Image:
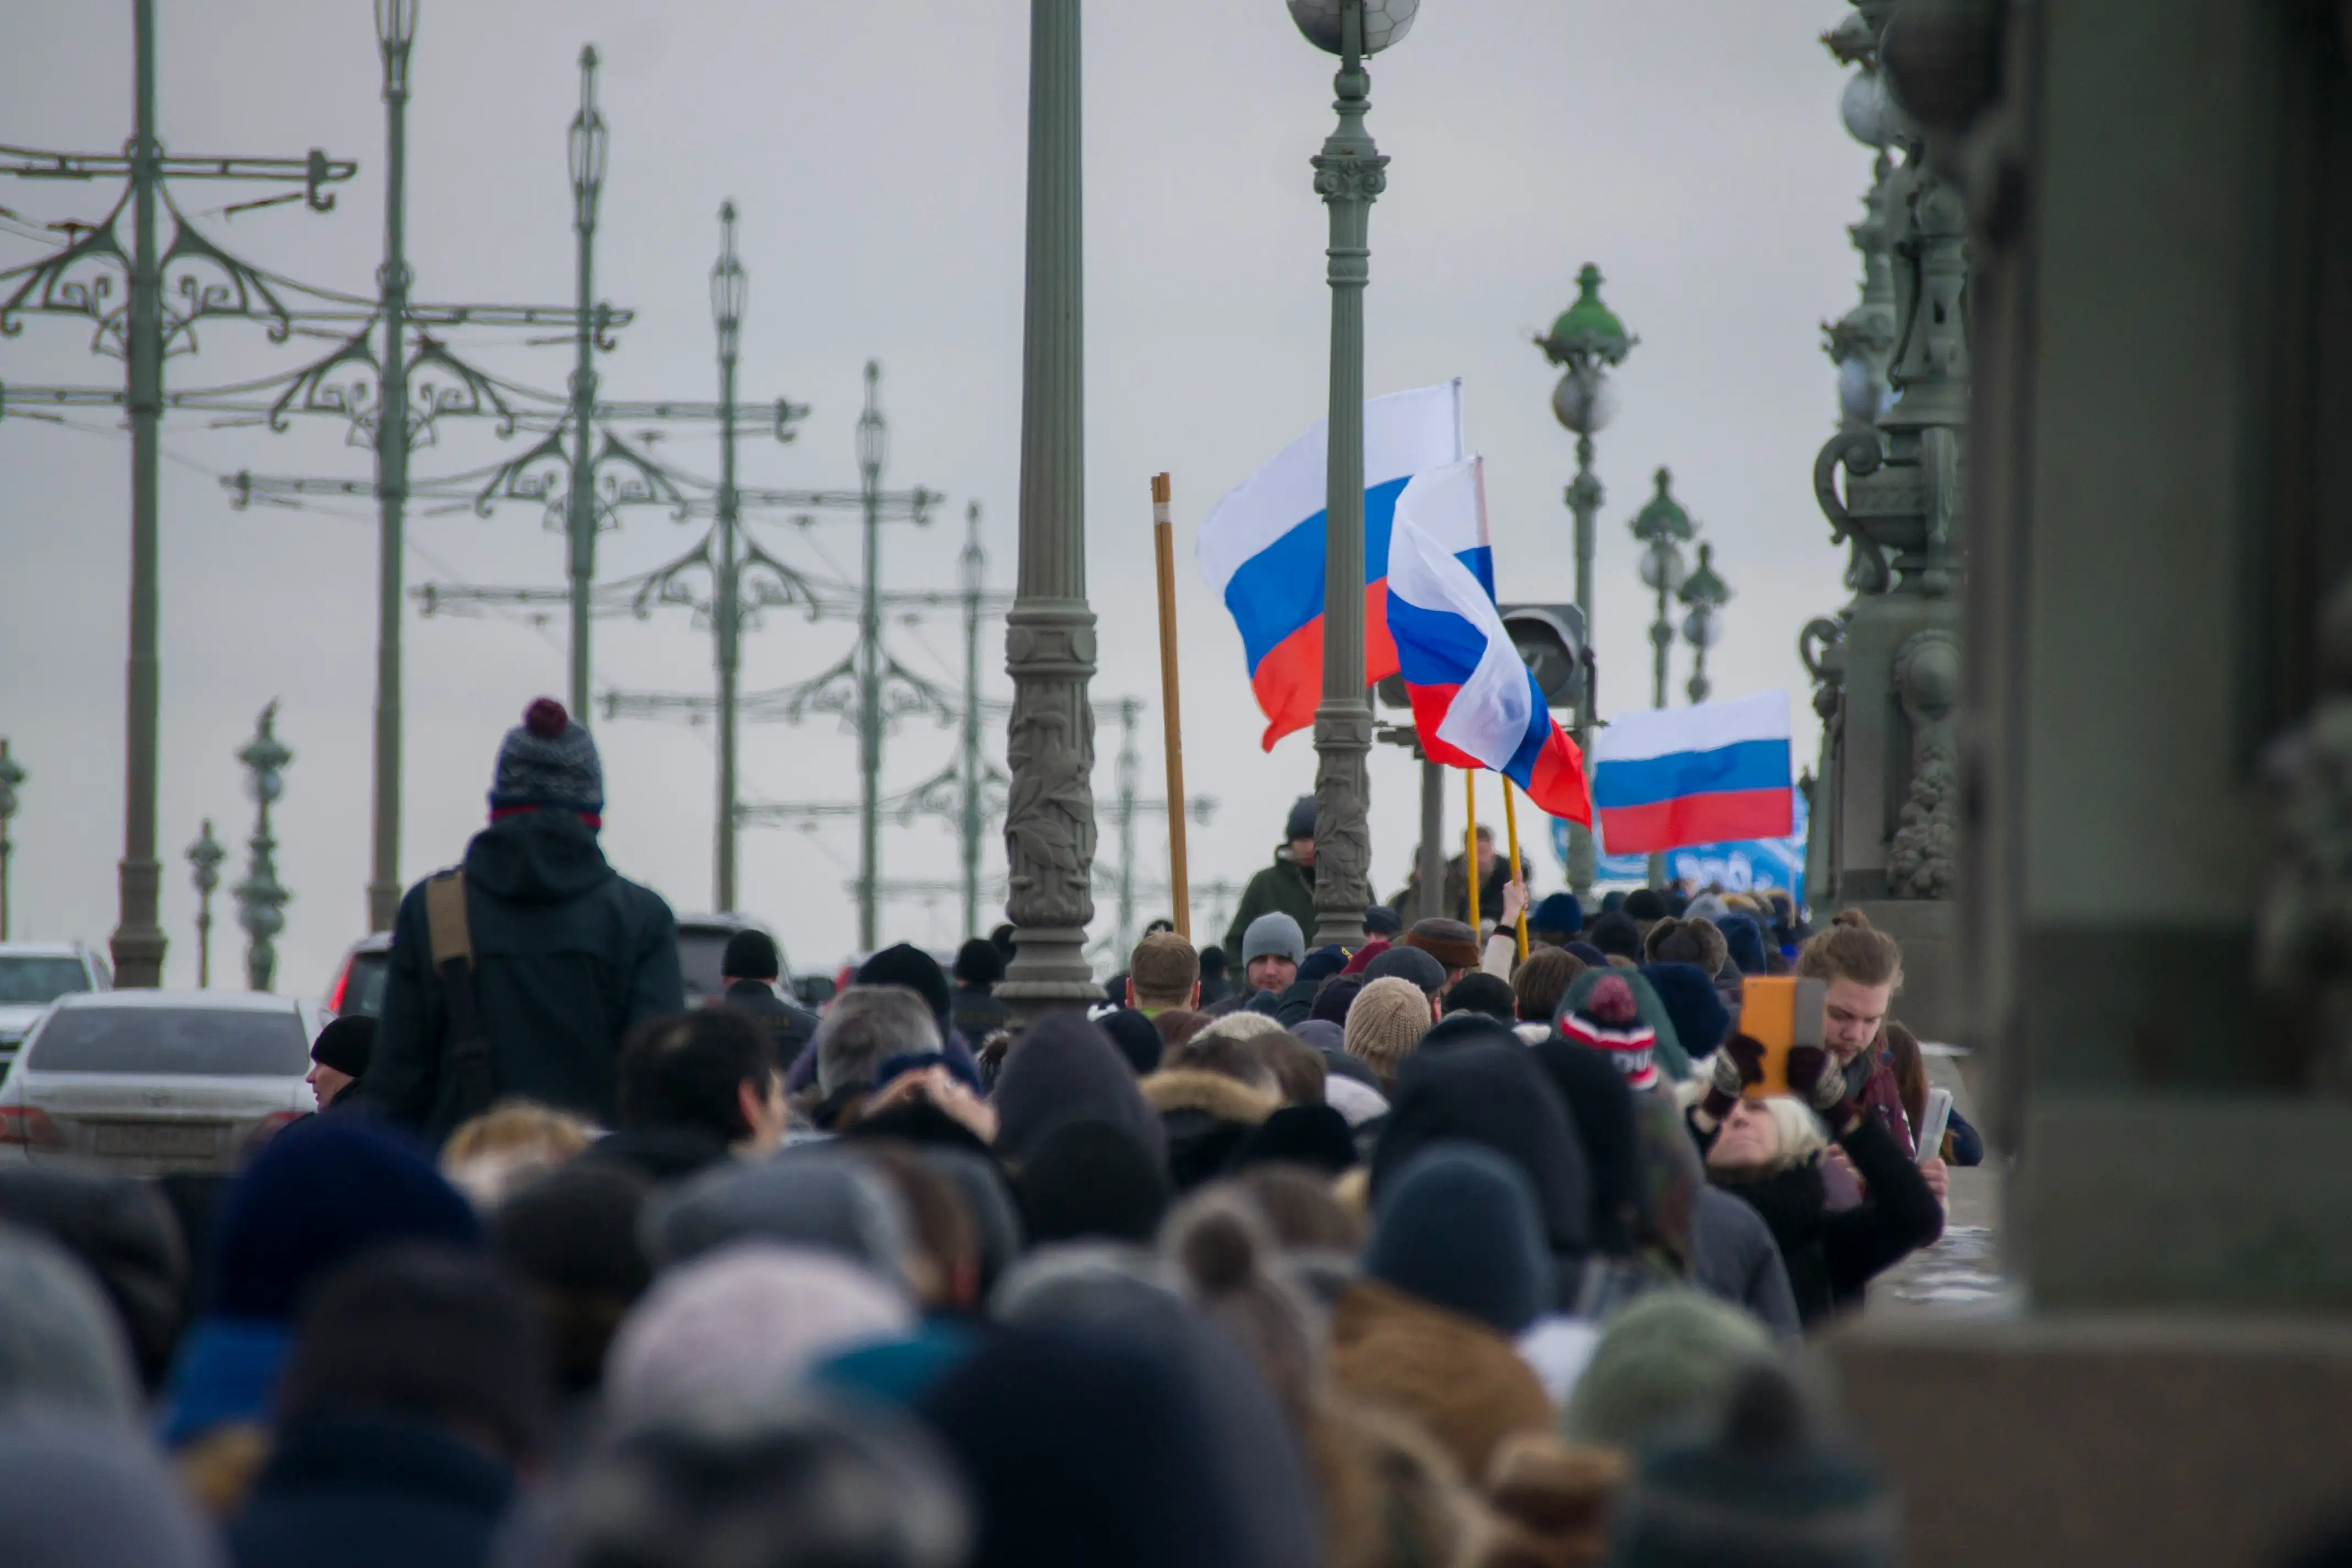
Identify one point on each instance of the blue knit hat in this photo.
(547, 760)
(1557, 912)
(1744, 940)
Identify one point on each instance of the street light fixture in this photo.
(1664, 528)
(206, 856)
(1705, 594)
(1589, 340)
(261, 899)
(1349, 174)
(11, 775)
(585, 158)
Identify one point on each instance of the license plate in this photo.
(153, 1140)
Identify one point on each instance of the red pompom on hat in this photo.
(1610, 1019)
(547, 761)
(546, 719)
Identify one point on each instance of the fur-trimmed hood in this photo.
(1215, 1094)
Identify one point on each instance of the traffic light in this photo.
(1550, 639)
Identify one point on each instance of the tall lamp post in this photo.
(585, 159)
(261, 899)
(1664, 528)
(395, 32)
(1349, 174)
(1704, 593)
(729, 292)
(11, 775)
(1589, 340)
(205, 855)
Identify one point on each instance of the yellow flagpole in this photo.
(1470, 843)
(1163, 545)
(1511, 825)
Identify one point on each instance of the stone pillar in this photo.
(1049, 636)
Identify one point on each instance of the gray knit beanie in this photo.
(1274, 934)
(61, 1344)
(548, 761)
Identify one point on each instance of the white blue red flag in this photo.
(1261, 548)
(1667, 777)
(1474, 701)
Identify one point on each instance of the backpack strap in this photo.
(452, 942)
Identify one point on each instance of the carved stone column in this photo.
(1049, 638)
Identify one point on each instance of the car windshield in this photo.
(226, 1042)
(364, 986)
(698, 952)
(26, 980)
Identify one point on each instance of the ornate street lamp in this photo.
(585, 159)
(11, 775)
(261, 900)
(1705, 594)
(1589, 340)
(395, 33)
(1664, 528)
(206, 856)
(1860, 343)
(1349, 174)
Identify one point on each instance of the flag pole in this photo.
(1511, 825)
(1163, 538)
(1470, 844)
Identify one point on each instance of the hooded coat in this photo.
(1208, 1117)
(1284, 886)
(1064, 1069)
(568, 955)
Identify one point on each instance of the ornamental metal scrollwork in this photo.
(1861, 453)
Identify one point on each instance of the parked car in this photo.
(149, 1081)
(358, 985)
(35, 973)
(702, 943)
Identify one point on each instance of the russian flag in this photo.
(1667, 777)
(1261, 548)
(1474, 701)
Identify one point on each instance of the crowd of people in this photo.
(1412, 1255)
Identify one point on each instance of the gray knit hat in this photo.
(1274, 934)
(547, 760)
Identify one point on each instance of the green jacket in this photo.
(1286, 886)
(567, 955)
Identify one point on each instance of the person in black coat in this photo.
(750, 968)
(1770, 1154)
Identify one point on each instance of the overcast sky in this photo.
(1690, 147)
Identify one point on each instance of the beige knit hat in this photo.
(1385, 1022)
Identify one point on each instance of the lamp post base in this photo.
(138, 943)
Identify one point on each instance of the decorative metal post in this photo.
(395, 32)
(586, 150)
(261, 900)
(1663, 527)
(138, 942)
(1704, 594)
(1349, 174)
(970, 758)
(206, 856)
(873, 449)
(1049, 636)
(11, 776)
(729, 292)
(1588, 339)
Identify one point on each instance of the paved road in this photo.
(1962, 1272)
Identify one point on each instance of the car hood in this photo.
(17, 1018)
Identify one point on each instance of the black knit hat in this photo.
(1302, 819)
(547, 760)
(345, 1045)
(751, 954)
(423, 1331)
(1763, 1488)
(1090, 1179)
(978, 963)
(909, 965)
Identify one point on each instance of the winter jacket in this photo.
(1286, 886)
(1461, 1380)
(1208, 1116)
(1831, 1255)
(567, 955)
(1870, 1081)
(1736, 1257)
(372, 1492)
(977, 1013)
(792, 1025)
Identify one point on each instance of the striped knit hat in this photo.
(548, 761)
(1611, 1021)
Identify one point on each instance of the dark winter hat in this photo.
(1413, 963)
(1321, 963)
(1617, 937)
(1594, 957)
(1492, 1093)
(1667, 1358)
(1601, 1106)
(1090, 1179)
(1451, 942)
(424, 1331)
(1557, 913)
(1313, 1135)
(1607, 1019)
(1302, 819)
(909, 965)
(1331, 1002)
(1693, 1004)
(547, 760)
(124, 1233)
(323, 1191)
(571, 1236)
(1744, 940)
(750, 955)
(1062, 1068)
(1764, 1487)
(344, 1044)
(1686, 941)
(1460, 1227)
(977, 963)
(813, 1197)
(1274, 934)
(1645, 904)
(1481, 993)
(1612, 902)
(1381, 921)
(1136, 1039)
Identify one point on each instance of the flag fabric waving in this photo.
(1261, 548)
(1667, 777)
(1474, 700)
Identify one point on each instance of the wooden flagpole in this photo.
(1511, 825)
(1470, 844)
(1163, 538)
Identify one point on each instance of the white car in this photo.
(35, 973)
(148, 1081)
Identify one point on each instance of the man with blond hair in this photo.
(1163, 974)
